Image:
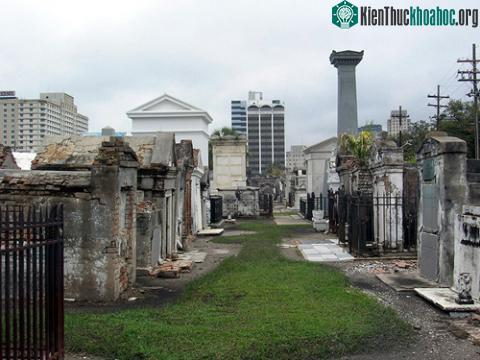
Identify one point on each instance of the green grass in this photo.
(257, 305)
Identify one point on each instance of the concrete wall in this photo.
(467, 233)
(240, 202)
(272, 185)
(99, 224)
(296, 185)
(442, 166)
(199, 138)
(317, 158)
(197, 199)
(467, 248)
(229, 162)
(156, 218)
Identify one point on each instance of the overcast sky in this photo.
(115, 55)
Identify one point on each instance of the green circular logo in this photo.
(345, 15)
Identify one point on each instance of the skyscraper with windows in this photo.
(25, 122)
(265, 134)
(239, 116)
(263, 123)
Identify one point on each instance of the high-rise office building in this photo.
(239, 111)
(265, 133)
(395, 124)
(25, 122)
(239, 116)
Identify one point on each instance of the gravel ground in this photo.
(432, 338)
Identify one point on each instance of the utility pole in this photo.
(400, 118)
(471, 76)
(438, 105)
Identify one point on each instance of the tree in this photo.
(225, 131)
(360, 146)
(458, 120)
(413, 139)
(276, 169)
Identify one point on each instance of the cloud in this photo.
(114, 55)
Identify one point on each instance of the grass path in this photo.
(257, 305)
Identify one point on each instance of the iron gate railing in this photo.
(31, 282)
(265, 202)
(332, 211)
(216, 209)
(374, 224)
(303, 207)
(291, 199)
(361, 239)
(311, 203)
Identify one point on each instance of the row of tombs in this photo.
(449, 217)
(129, 203)
(439, 197)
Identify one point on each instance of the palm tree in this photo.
(225, 131)
(359, 146)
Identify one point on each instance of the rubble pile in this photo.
(382, 266)
(171, 268)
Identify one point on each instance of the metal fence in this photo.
(303, 207)
(332, 211)
(372, 225)
(31, 283)
(265, 202)
(291, 199)
(313, 202)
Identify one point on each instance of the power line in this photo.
(438, 97)
(448, 72)
(471, 76)
(400, 118)
(458, 87)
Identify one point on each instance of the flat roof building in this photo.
(265, 134)
(24, 123)
(296, 158)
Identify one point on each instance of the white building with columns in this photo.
(170, 114)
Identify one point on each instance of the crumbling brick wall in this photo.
(99, 228)
(240, 202)
(156, 191)
(185, 164)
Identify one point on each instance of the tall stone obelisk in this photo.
(346, 62)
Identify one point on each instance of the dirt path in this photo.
(156, 292)
(431, 338)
